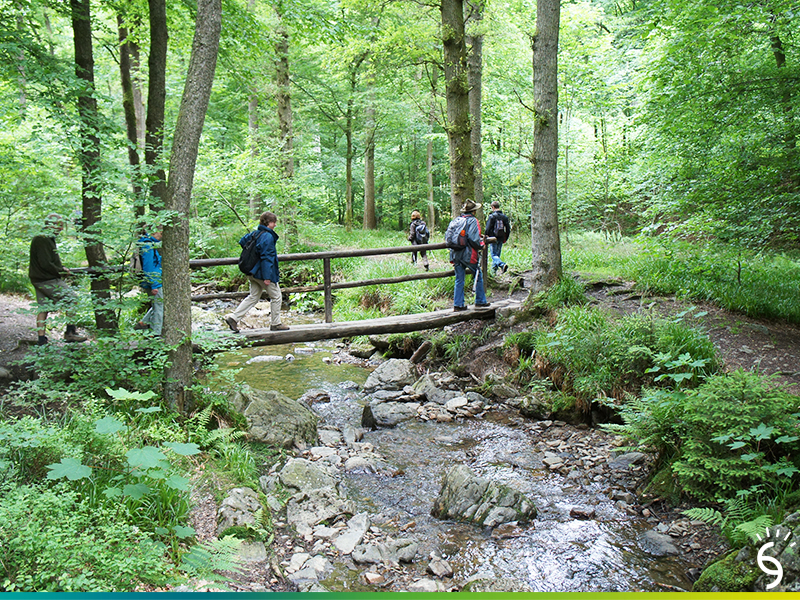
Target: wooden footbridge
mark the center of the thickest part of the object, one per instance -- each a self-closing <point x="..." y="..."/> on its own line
<point x="331" y="330"/>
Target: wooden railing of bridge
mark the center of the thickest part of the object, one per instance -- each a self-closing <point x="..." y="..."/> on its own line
<point x="328" y="285"/>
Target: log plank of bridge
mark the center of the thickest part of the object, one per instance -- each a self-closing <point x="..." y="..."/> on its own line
<point x="397" y="324"/>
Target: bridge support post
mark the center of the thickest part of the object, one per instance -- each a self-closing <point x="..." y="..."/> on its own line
<point x="326" y="281"/>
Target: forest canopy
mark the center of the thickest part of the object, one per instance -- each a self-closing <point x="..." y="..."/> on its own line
<point x="673" y="117"/>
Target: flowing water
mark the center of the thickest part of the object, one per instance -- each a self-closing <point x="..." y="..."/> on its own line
<point x="554" y="553"/>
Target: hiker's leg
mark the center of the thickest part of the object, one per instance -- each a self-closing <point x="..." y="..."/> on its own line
<point x="256" y="289"/>
<point x="275" y="301"/>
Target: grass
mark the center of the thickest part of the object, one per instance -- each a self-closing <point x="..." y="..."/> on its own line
<point x="759" y="285"/>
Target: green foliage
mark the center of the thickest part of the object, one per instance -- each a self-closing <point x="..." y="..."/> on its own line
<point x="129" y="361"/>
<point x="566" y="291"/>
<point x="758" y="284"/>
<point x="714" y="438"/>
<point x="728" y="575"/>
<point x="53" y="541"/>
<point x="605" y="357"/>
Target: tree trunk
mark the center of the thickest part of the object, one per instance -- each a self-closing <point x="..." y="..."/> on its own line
<point x="89" y="159"/>
<point x="370" y="222"/>
<point x="156" y="99"/>
<point x="131" y="123"/>
<point x="475" y="78"/>
<point x="176" y="274"/>
<point x="429" y="163"/>
<point x="545" y="243"/>
<point x="348" y="168"/>
<point x="284" y="102"/>
<point x="459" y="130"/>
<point x="254" y="203"/>
<point x="252" y="126"/>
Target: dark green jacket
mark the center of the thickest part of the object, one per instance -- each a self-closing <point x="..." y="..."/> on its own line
<point x="45" y="263"/>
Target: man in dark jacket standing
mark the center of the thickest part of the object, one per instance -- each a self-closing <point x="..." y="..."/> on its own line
<point x="46" y="271"/>
<point x="499" y="227"/>
<point x="263" y="277"/>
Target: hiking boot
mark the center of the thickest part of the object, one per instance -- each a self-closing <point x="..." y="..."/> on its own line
<point x="140" y="326"/>
<point x="232" y="324"/>
<point x="459" y="308"/>
<point x="504" y="268"/>
<point x="278" y="327"/>
<point x="72" y="338"/>
<point x="482" y="304"/>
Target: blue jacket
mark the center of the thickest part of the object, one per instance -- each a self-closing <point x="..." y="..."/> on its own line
<point x="151" y="261"/>
<point x="471" y="252"/>
<point x="267" y="267"/>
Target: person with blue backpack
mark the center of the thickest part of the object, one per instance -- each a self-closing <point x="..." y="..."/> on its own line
<point x="463" y="238"/>
<point x="499" y="227"/>
<point x="418" y="235"/>
<point x="263" y="276"/>
<point x="149" y="250"/>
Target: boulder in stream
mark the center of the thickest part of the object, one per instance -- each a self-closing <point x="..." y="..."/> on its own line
<point x="275" y="419"/>
<point x="394" y="374"/>
<point x="466" y="497"/>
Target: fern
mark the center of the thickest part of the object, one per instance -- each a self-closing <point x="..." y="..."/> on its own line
<point x="749" y="530"/>
<point x="705" y="514"/>
<point x="205" y="560"/>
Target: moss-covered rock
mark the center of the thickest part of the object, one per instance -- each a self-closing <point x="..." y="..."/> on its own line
<point x="728" y="575"/>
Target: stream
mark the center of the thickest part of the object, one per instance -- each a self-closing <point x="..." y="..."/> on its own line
<point x="556" y="552"/>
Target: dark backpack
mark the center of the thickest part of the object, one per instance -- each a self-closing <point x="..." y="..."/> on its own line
<point x="455" y="237"/>
<point x="421" y="233"/>
<point x="250" y="255"/>
<point x="501" y="228"/>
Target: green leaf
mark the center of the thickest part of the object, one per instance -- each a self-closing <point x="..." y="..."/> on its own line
<point x="148" y="457"/>
<point x="176" y="482"/>
<point x="750" y="457"/>
<point x="183" y="533"/>
<point x="112" y="492"/>
<point x="762" y="432"/>
<point x="161" y="530"/>
<point x="737" y="445"/>
<point x="70" y="468"/>
<point x="721" y="439"/>
<point x="786" y="439"/>
<point x="123" y="394"/>
<point x="137" y="491"/>
<point x="183" y="449"/>
<point x="108" y="425"/>
<point x="149" y="409"/>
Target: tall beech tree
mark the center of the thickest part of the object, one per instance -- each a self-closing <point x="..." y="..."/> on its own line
<point x="176" y="273"/>
<point x="156" y="101"/>
<point x="89" y="159"/>
<point x="458" y="126"/>
<point x="474" y="26"/>
<point x="545" y="243"/>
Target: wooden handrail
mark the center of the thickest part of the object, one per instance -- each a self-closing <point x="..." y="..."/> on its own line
<point x="327" y="286"/>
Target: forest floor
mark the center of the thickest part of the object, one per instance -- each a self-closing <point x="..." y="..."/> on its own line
<point x="752" y="344"/>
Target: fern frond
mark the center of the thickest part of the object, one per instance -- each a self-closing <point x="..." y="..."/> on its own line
<point x="750" y="530"/>
<point x="705" y="514"/>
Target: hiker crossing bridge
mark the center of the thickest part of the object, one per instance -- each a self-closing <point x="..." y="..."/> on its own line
<point x="332" y="330"/>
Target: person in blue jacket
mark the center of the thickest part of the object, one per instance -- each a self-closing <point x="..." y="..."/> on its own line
<point x="263" y="277"/>
<point x="467" y="260"/>
<point x="149" y="249"/>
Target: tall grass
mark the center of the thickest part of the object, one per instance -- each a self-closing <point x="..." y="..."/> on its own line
<point x="756" y="284"/>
